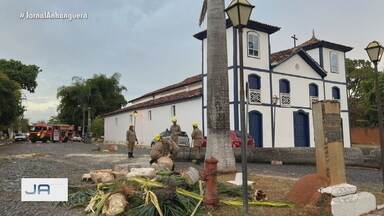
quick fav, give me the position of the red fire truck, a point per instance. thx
(62, 132)
(40, 132)
(53, 132)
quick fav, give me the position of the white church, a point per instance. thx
(281, 87)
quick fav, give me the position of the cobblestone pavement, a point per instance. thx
(71, 160)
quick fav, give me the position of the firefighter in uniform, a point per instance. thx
(175, 130)
(131, 139)
(197, 138)
(162, 148)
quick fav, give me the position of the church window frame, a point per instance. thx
(334, 62)
(253, 44)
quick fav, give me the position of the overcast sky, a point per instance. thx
(150, 41)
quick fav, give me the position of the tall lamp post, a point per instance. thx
(375, 52)
(239, 12)
(275, 100)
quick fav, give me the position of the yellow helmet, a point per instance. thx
(157, 138)
(195, 124)
(174, 119)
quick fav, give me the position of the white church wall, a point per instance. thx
(267, 124)
(340, 75)
(115, 128)
(261, 62)
(187, 112)
(264, 81)
(299, 89)
(343, 94)
(346, 129)
(297, 66)
(315, 54)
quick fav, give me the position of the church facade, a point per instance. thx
(281, 88)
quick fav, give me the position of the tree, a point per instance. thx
(10, 101)
(103, 94)
(21, 124)
(217, 88)
(25, 75)
(98, 126)
(53, 120)
(361, 92)
(14, 76)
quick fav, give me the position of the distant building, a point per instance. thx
(313, 70)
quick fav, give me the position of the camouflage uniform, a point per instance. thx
(197, 137)
(131, 139)
(163, 148)
(175, 131)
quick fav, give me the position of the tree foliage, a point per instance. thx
(10, 100)
(54, 120)
(98, 126)
(25, 75)
(103, 94)
(14, 76)
(361, 92)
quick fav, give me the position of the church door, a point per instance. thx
(256, 127)
(301, 128)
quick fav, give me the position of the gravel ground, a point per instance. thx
(71, 160)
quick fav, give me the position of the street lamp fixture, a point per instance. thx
(134, 118)
(275, 100)
(239, 12)
(375, 52)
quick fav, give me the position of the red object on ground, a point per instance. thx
(305, 191)
(235, 137)
(211, 198)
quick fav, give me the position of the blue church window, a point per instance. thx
(254, 82)
(313, 90)
(335, 93)
(284, 86)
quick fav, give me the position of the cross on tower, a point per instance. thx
(294, 40)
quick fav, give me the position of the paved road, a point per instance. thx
(71, 160)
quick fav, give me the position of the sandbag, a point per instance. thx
(102, 176)
(165, 163)
(115, 205)
(142, 172)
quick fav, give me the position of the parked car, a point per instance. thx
(183, 138)
(77, 139)
(235, 137)
(20, 137)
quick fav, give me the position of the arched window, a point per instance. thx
(254, 81)
(313, 90)
(285, 90)
(284, 86)
(335, 93)
(253, 44)
(254, 85)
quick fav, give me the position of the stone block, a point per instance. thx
(276, 163)
(339, 190)
(239, 180)
(354, 204)
(126, 167)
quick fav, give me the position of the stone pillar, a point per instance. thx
(329, 141)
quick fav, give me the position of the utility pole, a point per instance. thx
(89, 133)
